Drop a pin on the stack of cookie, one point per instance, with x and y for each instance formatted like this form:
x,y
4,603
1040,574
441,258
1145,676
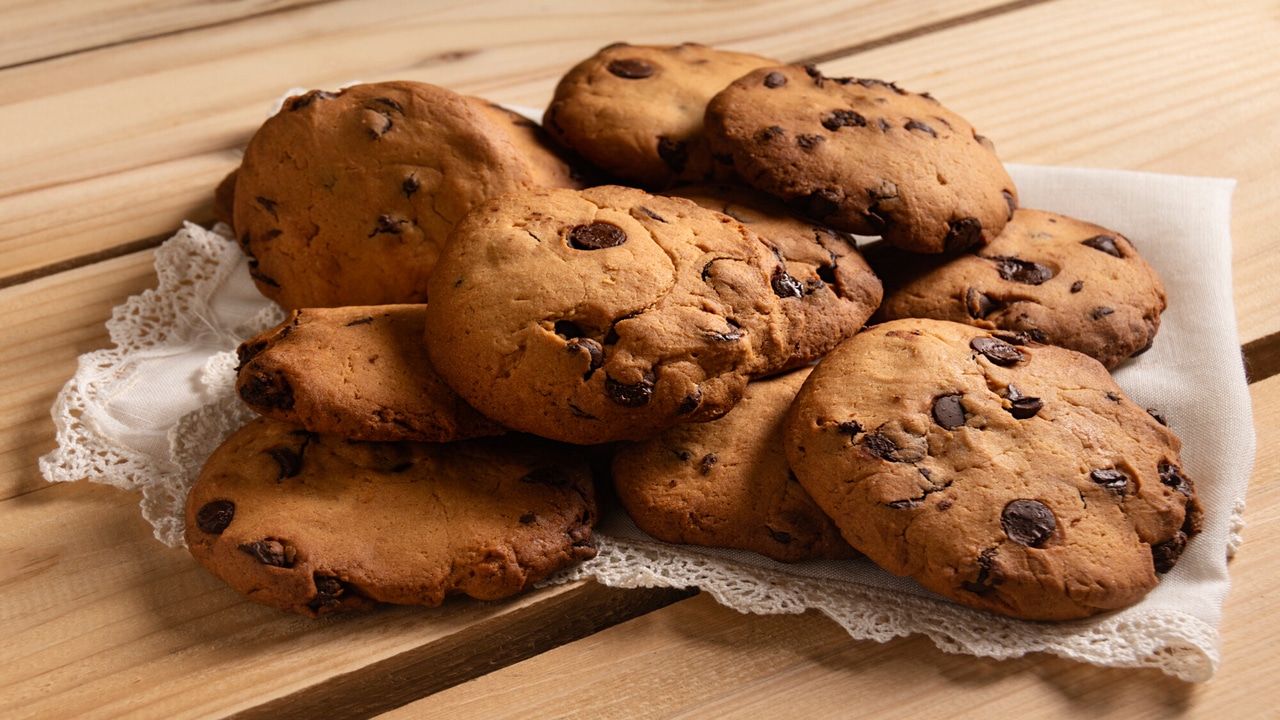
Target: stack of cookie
x,y
653,273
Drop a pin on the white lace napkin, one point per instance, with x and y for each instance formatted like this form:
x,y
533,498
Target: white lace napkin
x,y
146,413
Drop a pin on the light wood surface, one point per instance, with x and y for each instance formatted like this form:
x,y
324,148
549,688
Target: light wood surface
x,y
119,117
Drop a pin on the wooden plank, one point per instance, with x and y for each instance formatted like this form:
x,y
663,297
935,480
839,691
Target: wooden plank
x,y
177,106
696,659
37,30
1064,84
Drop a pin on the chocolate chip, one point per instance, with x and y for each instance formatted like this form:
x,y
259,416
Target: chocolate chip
x,y
827,274
596,236
289,460
849,427
1022,271
1165,555
997,351
779,536
1113,397
785,286
1159,416
215,516
733,333
410,186
1102,312
948,411
1077,286
377,123
1104,243
1022,406
269,205
300,102
775,79
551,475
674,153
367,319
979,304
809,142
1010,201
880,446
631,68
268,552
632,396
768,134
328,590
917,125
1028,522
707,462
527,518
903,504
652,214
837,119
962,233
1110,478
387,225
690,402
267,390
821,203
1171,475
593,350
390,103
989,574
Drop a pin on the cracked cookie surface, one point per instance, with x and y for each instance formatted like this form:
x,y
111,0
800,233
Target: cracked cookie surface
x,y
726,483
1062,281
605,314
316,524
863,156
357,371
636,111
1006,475
344,198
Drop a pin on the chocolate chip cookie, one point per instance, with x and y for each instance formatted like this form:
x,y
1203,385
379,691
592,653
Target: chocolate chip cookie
x,y
344,198
726,483
316,524
605,314
834,290
863,156
1060,280
1007,475
359,372
636,110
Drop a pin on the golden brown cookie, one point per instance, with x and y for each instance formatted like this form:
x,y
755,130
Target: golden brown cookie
x,y
1060,280
360,372
315,524
726,483
636,111
863,156
344,198
1013,478
605,314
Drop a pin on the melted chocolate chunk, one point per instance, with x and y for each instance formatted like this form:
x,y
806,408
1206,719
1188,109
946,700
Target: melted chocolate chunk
x,y
707,462
809,142
268,552
821,203
268,205
551,475
979,304
1103,243
917,125
675,153
849,427
1022,406
997,351
596,236
1171,475
837,119
733,333
632,396
593,350
1111,479
388,225
948,411
690,402
1028,522
775,79
880,446
528,518
631,68
328,590
1022,271
215,516
410,186
267,390
302,101
1165,555
1077,286
785,286
652,214
962,233
289,460
768,134
989,574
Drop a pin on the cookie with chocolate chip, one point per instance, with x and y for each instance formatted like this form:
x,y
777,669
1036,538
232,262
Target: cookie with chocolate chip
x,y
726,483
861,155
344,198
357,371
1006,475
607,313
833,290
1060,280
316,524
635,111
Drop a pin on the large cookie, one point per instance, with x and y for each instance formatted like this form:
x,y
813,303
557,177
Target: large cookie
x,y
605,314
726,483
316,524
1060,280
358,372
636,111
1014,478
344,198
864,156
835,290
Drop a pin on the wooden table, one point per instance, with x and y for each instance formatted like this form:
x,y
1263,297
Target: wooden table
x,y
120,117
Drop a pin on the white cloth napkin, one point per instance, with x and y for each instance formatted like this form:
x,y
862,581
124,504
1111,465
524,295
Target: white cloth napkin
x,y
146,413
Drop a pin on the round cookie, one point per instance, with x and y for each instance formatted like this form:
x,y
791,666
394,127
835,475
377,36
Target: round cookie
x,y
636,111
344,198
357,372
1060,280
1013,478
316,524
605,314
726,483
863,156
835,290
